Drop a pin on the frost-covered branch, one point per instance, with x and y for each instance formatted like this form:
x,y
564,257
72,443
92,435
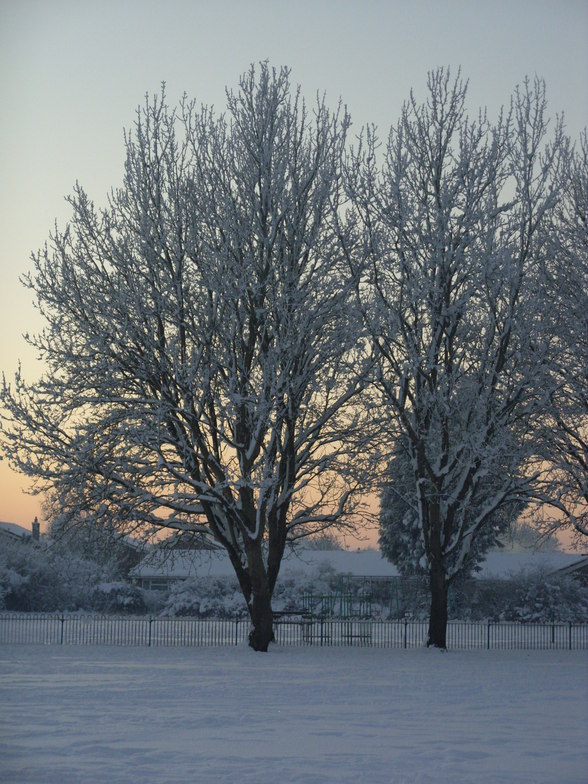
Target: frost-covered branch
x,y
453,243
202,343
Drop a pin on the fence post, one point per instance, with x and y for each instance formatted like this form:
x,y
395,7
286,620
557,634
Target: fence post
x,y
62,624
236,630
488,635
149,640
405,631
570,635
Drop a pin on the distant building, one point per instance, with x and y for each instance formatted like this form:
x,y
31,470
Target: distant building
x,y
505,564
15,533
577,569
161,568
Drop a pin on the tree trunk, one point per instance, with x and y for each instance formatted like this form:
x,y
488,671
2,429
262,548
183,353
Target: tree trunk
x,y
260,601
260,610
438,616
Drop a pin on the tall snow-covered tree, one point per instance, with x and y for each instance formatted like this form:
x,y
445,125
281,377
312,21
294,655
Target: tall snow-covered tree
x,y
401,537
201,344
564,440
452,234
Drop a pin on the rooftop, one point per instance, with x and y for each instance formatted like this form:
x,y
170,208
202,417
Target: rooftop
x,y
369,564
14,531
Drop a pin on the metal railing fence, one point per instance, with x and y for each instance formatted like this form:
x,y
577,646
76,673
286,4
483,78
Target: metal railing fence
x,y
63,629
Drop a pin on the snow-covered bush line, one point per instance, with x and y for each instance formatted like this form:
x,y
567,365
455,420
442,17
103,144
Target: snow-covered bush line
x,y
49,578
52,579
539,598
531,596
222,598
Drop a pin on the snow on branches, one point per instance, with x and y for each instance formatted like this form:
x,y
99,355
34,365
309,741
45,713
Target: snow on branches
x,y
201,342
452,243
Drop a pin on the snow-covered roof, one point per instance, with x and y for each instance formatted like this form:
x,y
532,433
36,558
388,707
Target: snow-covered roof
x,y
358,563
502,564
369,564
577,567
13,530
178,564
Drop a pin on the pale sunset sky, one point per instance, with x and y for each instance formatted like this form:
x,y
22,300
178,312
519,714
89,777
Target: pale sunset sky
x,y
73,73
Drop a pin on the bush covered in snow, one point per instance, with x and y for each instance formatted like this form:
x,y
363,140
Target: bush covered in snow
x,y
292,586
206,597
532,596
222,598
118,597
47,577
537,597
39,578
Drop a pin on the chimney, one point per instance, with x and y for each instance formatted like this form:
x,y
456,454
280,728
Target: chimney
x,y
36,530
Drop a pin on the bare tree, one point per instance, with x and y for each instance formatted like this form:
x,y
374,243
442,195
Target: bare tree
x,y
401,539
201,341
564,439
451,233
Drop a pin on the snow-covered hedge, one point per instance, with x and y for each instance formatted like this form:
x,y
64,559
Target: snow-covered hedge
x,y
221,598
48,578
531,596
204,596
39,578
118,597
538,597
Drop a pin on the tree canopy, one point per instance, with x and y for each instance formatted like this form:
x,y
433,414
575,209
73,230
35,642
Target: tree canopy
x,y
262,306
201,343
453,241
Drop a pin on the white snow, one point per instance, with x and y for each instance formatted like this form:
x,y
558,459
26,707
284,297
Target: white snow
x,y
89,715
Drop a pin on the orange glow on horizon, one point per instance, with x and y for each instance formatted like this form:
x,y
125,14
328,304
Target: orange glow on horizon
x,y
16,505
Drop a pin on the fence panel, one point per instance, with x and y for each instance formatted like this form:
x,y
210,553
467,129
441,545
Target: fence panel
x,y
104,630
467,635
199,632
31,628
155,631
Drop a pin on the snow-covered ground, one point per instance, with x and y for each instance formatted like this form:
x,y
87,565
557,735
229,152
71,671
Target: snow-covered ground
x,y
106,715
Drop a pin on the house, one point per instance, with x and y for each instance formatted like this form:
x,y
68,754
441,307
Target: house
x,y
577,569
161,568
505,564
16,533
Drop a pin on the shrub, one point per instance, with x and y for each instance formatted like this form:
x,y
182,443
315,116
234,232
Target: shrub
x,y
530,596
118,597
44,578
205,597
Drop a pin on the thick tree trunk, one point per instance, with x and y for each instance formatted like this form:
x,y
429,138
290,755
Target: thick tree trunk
x,y
438,616
260,601
260,610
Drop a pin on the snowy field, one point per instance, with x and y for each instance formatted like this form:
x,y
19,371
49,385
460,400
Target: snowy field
x,y
107,715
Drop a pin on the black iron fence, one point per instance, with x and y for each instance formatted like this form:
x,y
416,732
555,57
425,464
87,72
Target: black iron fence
x,y
156,631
